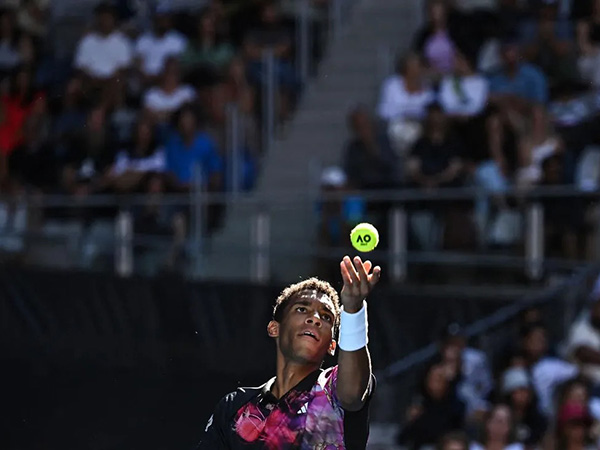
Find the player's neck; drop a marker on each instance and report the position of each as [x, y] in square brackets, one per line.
[289, 374]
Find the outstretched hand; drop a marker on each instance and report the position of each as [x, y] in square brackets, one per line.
[359, 281]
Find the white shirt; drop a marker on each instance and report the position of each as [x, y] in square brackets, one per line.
[159, 101]
[515, 446]
[477, 380]
[546, 375]
[155, 162]
[465, 96]
[102, 56]
[154, 50]
[582, 334]
[396, 102]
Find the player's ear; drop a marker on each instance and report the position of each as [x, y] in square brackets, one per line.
[273, 329]
[332, 347]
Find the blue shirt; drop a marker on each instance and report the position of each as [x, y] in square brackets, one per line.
[182, 159]
[529, 83]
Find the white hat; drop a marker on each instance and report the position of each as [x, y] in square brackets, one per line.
[515, 378]
[333, 176]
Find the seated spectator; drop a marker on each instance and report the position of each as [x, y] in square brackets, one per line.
[498, 431]
[209, 54]
[272, 34]
[155, 47]
[169, 96]
[550, 46]
[71, 117]
[567, 230]
[189, 149]
[436, 41]
[32, 17]
[583, 343]
[540, 143]
[588, 45]
[517, 85]
[104, 53]
[464, 94]
[9, 50]
[405, 94]
[435, 160]
[573, 428]
[518, 394]
[144, 157]
[435, 412]
[368, 160]
[469, 368]
[455, 440]
[547, 372]
[578, 391]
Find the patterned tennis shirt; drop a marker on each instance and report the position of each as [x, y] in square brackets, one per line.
[309, 416]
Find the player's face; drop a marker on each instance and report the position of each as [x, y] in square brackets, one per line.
[305, 333]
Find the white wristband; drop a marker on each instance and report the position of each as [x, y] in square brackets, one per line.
[354, 330]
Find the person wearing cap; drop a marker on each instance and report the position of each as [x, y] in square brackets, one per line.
[517, 392]
[104, 53]
[583, 342]
[573, 428]
[154, 47]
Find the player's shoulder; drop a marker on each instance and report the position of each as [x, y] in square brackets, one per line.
[242, 395]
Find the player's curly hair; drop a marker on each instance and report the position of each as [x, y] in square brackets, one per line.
[309, 284]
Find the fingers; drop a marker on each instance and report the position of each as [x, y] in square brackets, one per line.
[360, 268]
[354, 278]
[345, 274]
[368, 265]
[375, 276]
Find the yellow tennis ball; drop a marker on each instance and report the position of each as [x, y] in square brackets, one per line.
[364, 237]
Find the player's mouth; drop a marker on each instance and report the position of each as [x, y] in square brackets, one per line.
[310, 334]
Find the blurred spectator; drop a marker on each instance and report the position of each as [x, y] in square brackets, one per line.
[518, 394]
[578, 391]
[573, 428]
[207, 55]
[369, 161]
[188, 149]
[71, 117]
[144, 157]
[547, 372]
[540, 143]
[436, 41]
[405, 94]
[32, 17]
[517, 85]
[468, 368]
[105, 52]
[583, 343]
[435, 412]
[435, 160]
[163, 100]
[498, 431]
[588, 40]
[455, 440]
[272, 34]
[9, 50]
[153, 48]
[463, 94]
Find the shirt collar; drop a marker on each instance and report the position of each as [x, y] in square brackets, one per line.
[305, 385]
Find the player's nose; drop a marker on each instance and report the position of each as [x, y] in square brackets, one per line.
[314, 320]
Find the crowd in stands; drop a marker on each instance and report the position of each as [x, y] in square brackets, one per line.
[497, 94]
[140, 104]
[534, 394]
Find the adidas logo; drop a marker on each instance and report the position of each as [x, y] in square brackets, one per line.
[303, 410]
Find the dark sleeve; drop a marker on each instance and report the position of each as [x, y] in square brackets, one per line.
[420, 39]
[214, 435]
[356, 423]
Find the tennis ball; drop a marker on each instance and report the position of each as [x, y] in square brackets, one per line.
[364, 237]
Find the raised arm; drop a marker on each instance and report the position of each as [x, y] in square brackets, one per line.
[354, 362]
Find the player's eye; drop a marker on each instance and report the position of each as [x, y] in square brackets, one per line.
[301, 309]
[328, 318]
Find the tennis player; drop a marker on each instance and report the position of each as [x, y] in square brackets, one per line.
[305, 406]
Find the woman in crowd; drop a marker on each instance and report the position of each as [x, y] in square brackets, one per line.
[498, 432]
[573, 428]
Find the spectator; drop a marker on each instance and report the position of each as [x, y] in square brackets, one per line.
[530, 424]
[155, 47]
[272, 34]
[189, 148]
[463, 94]
[71, 117]
[368, 161]
[134, 166]
[209, 54]
[32, 17]
[498, 432]
[405, 95]
[539, 143]
[574, 424]
[578, 391]
[547, 372]
[104, 53]
[516, 85]
[9, 51]
[170, 95]
[434, 413]
[456, 440]
[436, 41]
[583, 343]
[588, 40]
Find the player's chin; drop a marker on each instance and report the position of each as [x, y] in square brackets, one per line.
[311, 353]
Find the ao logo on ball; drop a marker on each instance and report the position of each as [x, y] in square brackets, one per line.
[364, 237]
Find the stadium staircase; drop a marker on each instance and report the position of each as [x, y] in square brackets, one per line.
[349, 74]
